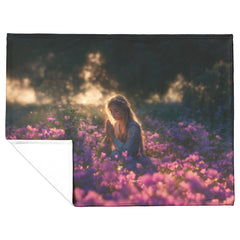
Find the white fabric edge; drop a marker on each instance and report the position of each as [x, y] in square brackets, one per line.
[52, 159]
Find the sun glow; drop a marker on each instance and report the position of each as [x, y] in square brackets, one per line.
[173, 95]
[21, 92]
[91, 92]
[175, 91]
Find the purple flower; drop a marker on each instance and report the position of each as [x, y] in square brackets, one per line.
[146, 179]
[230, 180]
[180, 124]
[212, 173]
[179, 173]
[82, 134]
[157, 177]
[184, 185]
[93, 198]
[50, 119]
[108, 166]
[197, 185]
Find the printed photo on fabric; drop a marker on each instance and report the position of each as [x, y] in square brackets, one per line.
[150, 116]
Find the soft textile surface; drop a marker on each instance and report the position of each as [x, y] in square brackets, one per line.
[179, 86]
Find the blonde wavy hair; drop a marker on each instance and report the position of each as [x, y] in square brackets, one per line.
[122, 103]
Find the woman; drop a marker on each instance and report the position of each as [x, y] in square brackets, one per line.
[123, 130]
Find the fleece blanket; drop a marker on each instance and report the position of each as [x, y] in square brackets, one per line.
[148, 119]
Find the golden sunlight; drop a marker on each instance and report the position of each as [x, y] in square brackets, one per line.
[173, 95]
[155, 98]
[20, 92]
[86, 74]
[95, 58]
[175, 91]
[92, 93]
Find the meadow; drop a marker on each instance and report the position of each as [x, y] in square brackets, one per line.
[191, 154]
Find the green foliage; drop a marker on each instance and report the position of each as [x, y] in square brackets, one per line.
[211, 94]
[140, 65]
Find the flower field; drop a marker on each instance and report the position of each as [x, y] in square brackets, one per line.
[186, 163]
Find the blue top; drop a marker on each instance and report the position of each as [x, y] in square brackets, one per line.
[133, 141]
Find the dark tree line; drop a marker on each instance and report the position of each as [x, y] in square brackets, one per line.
[140, 64]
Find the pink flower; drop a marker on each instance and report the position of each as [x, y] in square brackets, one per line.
[215, 201]
[184, 185]
[146, 179]
[30, 128]
[124, 154]
[103, 155]
[67, 117]
[56, 122]
[194, 157]
[157, 177]
[218, 137]
[93, 198]
[131, 176]
[180, 124]
[212, 173]
[230, 200]
[179, 173]
[155, 135]
[230, 180]
[139, 165]
[78, 193]
[50, 119]
[196, 183]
